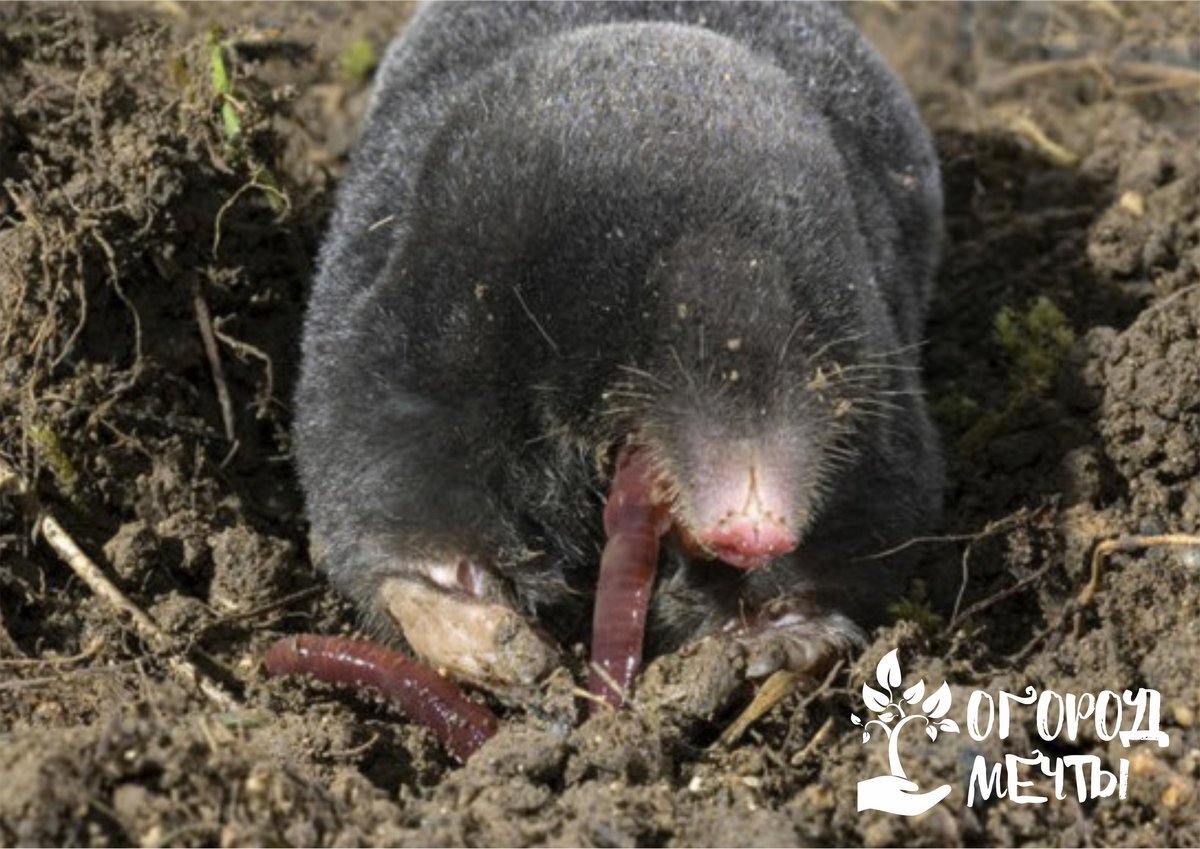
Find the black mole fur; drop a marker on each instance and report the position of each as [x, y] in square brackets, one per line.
[721, 210]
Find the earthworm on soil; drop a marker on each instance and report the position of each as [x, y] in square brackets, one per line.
[635, 517]
[421, 693]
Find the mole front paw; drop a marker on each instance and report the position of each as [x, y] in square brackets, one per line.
[467, 628]
[706, 678]
[794, 636]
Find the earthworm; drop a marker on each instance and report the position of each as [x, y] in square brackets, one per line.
[417, 690]
[635, 517]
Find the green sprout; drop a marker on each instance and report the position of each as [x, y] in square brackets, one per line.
[1037, 341]
[917, 612]
[222, 83]
[955, 411]
[358, 60]
[53, 453]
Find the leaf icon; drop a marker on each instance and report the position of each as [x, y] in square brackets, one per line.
[866, 736]
[887, 717]
[888, 671]
[931, 731]
[938, 705]
[913, 694]
[874, 699]
[948, 725]
[854, 718]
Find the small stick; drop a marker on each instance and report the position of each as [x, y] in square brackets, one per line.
[1173, 74]
[1162, 76]
[208, 336]
[597, 701]
[18, 684]
[269, 607]
[146, 628]
[1130, 543]
[803, 706]
[774, 690]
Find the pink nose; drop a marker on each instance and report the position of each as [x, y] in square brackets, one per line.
[743, 506]
[749, 540]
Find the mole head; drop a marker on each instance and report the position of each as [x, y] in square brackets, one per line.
[742, 411]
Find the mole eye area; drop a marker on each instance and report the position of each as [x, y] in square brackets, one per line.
[741, 506]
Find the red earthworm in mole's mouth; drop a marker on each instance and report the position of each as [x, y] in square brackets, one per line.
[636, 516]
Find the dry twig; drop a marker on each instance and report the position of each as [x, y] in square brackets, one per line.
[774, 690]
[83, 566]
[208, 336]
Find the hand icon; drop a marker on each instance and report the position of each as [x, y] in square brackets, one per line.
[894, 795]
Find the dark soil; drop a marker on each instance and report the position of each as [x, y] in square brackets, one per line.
[147, 205]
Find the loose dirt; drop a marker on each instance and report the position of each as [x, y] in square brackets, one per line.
[167, 171]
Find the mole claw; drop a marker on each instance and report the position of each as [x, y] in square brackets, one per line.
[806, 643]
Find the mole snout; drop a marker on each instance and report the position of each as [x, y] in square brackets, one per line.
[745, 510]
[749, 540]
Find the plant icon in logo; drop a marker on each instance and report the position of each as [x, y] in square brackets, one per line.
[895, 793]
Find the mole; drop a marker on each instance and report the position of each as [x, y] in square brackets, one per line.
[592, 253]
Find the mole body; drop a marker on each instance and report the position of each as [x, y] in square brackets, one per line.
[707, 230]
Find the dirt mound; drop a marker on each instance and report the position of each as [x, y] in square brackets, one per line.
[165, 186]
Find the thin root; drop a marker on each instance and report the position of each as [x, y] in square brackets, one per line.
[1024, 126]
[1073, 609]
[354, 751]
[245, 349]
[1154, 76]
[114, 280]
[1130, 543]
[814, 741]
[91, 651]
[580, 692]
[612, 684]
[253, 183]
